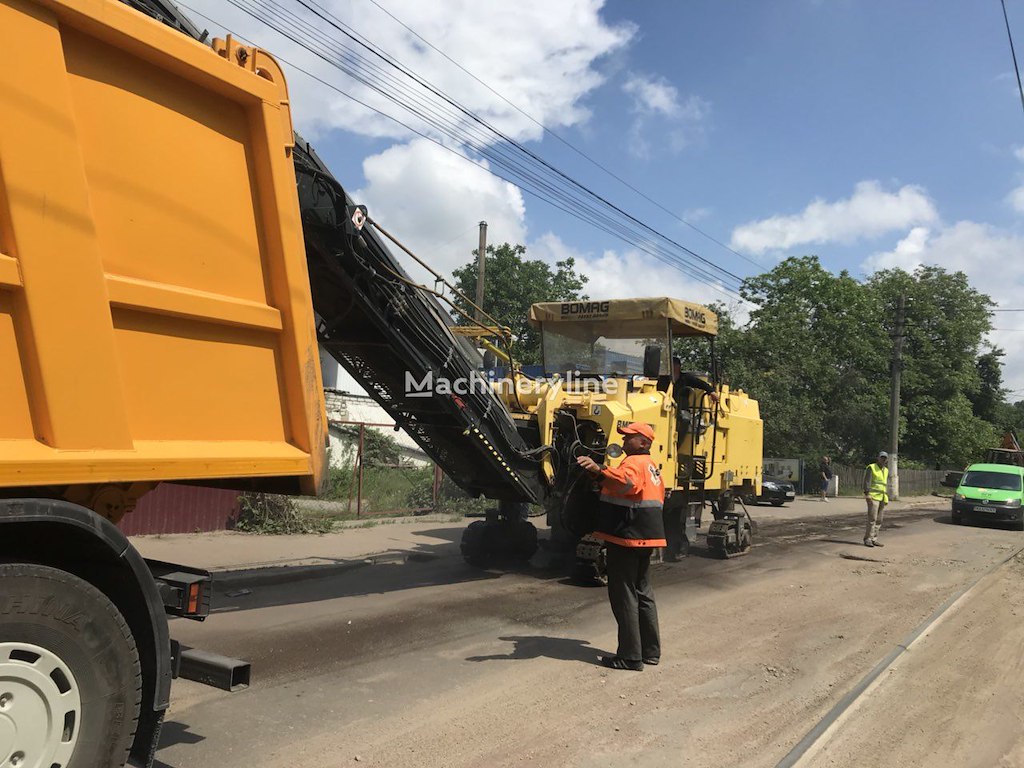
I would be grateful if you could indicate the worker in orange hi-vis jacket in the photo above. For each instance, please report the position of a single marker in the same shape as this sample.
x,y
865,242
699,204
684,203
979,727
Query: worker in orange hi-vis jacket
x,y
629,521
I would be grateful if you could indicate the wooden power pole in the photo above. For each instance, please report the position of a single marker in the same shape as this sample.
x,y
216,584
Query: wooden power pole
x,y
894,395
480,260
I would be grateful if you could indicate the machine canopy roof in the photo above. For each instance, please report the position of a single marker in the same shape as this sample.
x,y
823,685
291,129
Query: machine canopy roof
x,y
625,318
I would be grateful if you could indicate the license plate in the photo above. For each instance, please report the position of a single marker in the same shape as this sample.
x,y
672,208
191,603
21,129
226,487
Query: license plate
x,y
790,494
984,509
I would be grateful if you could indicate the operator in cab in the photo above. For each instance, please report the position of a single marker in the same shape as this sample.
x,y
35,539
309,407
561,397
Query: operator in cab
x,y
683,380
629,522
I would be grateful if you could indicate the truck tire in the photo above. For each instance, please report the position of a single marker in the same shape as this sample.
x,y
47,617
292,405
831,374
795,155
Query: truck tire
x,y
70,680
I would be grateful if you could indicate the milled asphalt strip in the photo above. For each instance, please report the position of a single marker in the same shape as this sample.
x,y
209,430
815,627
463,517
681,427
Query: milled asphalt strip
x,y
831,719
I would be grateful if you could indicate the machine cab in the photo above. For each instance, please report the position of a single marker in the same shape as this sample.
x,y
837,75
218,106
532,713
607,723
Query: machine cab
x,y
589,343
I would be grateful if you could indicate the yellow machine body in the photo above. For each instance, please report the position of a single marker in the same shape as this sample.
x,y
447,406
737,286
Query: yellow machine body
x,y
723,452
155,313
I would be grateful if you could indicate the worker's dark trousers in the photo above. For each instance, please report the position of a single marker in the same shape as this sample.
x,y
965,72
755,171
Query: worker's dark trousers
x,y
632,599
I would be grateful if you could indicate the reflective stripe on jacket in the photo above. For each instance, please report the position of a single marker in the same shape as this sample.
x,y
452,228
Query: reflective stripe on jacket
x,y
879,485
632,495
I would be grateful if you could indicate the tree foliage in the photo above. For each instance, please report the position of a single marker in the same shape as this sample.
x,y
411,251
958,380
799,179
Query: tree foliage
x,y
512,283
816,353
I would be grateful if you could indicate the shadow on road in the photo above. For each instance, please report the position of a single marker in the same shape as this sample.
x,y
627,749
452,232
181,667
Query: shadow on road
x,y
541,646
857,543
174,733
428,565
976,522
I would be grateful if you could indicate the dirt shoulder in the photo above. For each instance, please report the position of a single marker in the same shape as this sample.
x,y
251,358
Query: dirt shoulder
x,y
955,698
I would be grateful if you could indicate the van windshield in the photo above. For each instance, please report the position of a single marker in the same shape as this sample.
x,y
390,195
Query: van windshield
x,y
997,481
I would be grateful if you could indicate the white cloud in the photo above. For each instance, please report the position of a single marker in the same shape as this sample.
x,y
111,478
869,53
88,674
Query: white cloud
x,y
1016,199
540,55
653,95
993,261
869,212
432,201
654,99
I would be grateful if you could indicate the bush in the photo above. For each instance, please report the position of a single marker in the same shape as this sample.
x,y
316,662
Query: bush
x,y
269,513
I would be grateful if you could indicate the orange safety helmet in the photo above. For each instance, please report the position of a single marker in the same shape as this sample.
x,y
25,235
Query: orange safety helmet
x,y
638,428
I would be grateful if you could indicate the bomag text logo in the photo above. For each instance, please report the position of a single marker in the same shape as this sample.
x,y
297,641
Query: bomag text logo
x,y
585,309
695,316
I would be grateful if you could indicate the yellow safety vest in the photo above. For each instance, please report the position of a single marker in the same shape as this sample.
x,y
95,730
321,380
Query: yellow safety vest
x,y
879,483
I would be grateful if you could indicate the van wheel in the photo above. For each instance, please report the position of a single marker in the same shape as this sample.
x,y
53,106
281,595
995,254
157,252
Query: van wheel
x,y
70,680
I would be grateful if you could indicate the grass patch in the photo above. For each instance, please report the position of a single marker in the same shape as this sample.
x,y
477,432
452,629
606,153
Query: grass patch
x,y
386,490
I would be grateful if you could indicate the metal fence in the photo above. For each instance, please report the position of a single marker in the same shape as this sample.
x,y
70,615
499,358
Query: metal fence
x,y
171,508
913,482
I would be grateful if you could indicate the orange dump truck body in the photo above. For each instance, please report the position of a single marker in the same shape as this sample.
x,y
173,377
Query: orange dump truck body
x,y
155,312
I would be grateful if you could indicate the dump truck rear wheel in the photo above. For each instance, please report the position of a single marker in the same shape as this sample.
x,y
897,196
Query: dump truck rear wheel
x,y
70,679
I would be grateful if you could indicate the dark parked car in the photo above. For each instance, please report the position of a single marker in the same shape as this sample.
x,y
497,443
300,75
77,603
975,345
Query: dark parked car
x,y
774,490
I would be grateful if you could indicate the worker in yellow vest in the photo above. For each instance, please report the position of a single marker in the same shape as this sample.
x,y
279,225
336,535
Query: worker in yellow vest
x,y
876,494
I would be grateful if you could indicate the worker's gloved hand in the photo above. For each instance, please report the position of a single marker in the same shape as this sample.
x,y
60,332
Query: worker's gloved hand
x,y
588,464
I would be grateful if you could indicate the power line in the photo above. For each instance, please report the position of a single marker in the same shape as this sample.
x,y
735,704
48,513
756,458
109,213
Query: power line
x,y
516,175
334,21
578,200
1013,53
563,140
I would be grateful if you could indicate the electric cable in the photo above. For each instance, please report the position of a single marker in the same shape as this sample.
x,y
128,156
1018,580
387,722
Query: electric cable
x,y
278,19
1013,54
555,135
279,24
344,29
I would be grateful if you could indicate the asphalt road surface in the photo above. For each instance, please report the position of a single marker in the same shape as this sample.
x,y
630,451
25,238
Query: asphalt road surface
x,y
428,662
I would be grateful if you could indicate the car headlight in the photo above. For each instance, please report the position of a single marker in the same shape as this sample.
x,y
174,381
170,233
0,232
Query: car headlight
x,y
770,486
958,497
1012,503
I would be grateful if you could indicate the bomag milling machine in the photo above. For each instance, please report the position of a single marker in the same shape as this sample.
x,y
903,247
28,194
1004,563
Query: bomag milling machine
x,y
606,364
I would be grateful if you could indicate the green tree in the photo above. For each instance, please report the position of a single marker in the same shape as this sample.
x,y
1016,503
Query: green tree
x,y
810,355
989,401
946,324
1013,418
512,284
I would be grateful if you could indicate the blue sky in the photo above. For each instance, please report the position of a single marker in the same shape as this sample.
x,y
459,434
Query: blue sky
x,y
871,133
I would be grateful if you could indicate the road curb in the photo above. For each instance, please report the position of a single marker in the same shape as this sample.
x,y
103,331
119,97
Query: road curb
x,y
275,575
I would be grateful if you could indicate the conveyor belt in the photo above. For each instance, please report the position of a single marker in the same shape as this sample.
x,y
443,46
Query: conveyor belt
x,y
381,328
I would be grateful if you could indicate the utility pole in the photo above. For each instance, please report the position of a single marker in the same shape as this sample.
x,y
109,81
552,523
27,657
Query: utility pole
x,y
894,395
480,257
